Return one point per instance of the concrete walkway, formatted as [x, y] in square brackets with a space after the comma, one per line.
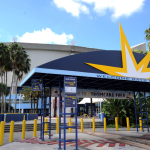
[85, 142]
[122, 131]
[140, 139]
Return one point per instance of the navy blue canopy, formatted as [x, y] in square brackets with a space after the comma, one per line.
[87, 76]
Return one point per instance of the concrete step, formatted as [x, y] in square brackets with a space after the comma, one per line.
[29, 127]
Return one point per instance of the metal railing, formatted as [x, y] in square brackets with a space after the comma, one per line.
[88, 117]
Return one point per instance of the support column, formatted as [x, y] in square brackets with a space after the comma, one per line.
[91, 107]
[43, 114]
[60, 111]
[49, 112]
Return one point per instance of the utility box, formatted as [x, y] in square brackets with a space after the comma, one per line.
[101, 116]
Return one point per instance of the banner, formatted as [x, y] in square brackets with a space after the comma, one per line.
[91, 93]
[37, 85]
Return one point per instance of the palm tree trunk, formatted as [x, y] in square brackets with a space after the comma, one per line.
[6, 77]
[1, 81]
[2, 104]
[5, 95]
[16, 96]
[55, 106]
[1, 101]
[61, 106]
[10, 91]
[2, 108]
[37, 105]
[45, 106]
[1, 77]
[118, 119]
[31, 104]
[34, 105]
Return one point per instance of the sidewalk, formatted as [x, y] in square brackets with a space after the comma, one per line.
[121, 131]
[133, 138]
[85, 142]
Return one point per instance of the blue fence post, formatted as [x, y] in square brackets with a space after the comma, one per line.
[135, 111]
[4, 117]
[60, 112]
[27, 116]
[64, 117]
[50, 113]
[43, 114]
[76, 119]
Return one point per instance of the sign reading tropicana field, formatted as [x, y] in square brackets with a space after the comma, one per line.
[70, 91]
[37, 85]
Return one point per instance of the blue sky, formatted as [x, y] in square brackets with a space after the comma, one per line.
[90, 23]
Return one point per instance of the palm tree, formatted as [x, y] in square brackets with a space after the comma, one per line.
[147, 32]
[6, 67]
[23, 67]
[120, 108]
[17, 59]
[3, 49]
[27, 94]
[3, 90]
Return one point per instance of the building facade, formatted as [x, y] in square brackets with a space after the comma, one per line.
[43, 53]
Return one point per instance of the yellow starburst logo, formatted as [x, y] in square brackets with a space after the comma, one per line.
[130, 67]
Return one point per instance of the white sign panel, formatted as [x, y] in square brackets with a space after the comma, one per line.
[70, 89]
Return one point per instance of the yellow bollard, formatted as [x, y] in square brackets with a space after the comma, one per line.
[116, 123]
[105, 125]
[11, 131]
[69, 125]
[35, 128]
[140, 122]
[23, 129]
[93, 124]
[81, 124]
[24, 117]
[1, 133]
[57, 125]
[46, 126]
[128, 124]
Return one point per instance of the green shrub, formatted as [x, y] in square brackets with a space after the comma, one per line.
[134, 125]
[113, 126]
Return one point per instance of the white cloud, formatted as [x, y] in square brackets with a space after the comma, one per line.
[72, 6]
[45, 36]
[0, 35]
[117, 7]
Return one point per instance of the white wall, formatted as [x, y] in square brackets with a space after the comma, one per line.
[39, 57]
[43, 53]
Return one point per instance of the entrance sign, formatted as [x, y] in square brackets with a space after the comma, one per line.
[70, 91]
[105, 94]
[92, 93]
[70, 99]
[37, 85]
